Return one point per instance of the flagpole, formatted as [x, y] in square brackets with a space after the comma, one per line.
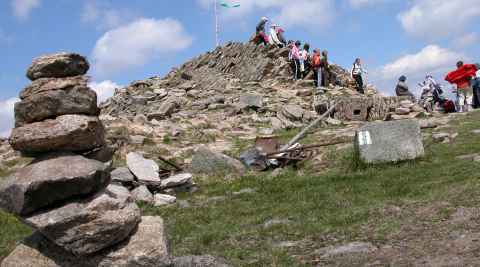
[216, 25]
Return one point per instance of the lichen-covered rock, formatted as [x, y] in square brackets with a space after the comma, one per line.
[89, 225]
[51, 180]
[76, 98]
[65, 133]
[57, 66]
[199, 261]
[208, 162]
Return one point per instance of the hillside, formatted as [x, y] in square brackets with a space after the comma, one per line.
[327, 210]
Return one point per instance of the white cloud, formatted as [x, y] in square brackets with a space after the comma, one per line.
[432, 59]
[303, 13]
[22, 8]
[467, 40]
[104, 17]
[433, 19]
[137, 43]
[7, 116]
[104, 89]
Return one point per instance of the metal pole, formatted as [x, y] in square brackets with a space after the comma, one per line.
[306, 129]
[216, 25]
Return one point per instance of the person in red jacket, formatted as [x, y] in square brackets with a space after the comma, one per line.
[462, 77]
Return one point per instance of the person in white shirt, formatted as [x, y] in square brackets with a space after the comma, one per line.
[356, 74]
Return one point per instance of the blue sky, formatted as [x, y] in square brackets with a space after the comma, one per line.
[130, 40]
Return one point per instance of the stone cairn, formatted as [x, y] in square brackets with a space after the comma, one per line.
[79, 218]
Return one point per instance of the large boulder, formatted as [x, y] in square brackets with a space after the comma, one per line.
[391, 141]
[48, 84]
[250, 101]
[89, 225]
[51, 180]
[146, 170]
[57, 66]
[73, 99]
[65, 133]
[145, 248]
[207, 162]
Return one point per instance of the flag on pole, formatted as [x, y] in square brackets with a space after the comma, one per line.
[227, 5]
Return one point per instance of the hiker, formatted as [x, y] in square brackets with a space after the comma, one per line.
[260, 35]
[316, 63]
[276, 36]
[476, 87]
[431, 93]
[294, 57]
[356, 74]
[462, 77]
[325, 69]
[305, 60]
[402, 87]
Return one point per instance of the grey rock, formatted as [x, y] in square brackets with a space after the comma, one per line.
[43, 85]
[145, 248]
[199, 261]
[137, 139]
[165, 110]
[207, 162]
[389, 141]
[351, 248]
[274, 222]
[441, 137]
[50, 104]
[244, 191]
[90, 225]
[402, 111]
[250, 101]
[65, 133]
[103, 153]
[142, 194]
[144, 169]
[161, 93]
[51, 180]
[122, 174]
[57, 66]
[162, 200]
[293, 112]
[176, 180]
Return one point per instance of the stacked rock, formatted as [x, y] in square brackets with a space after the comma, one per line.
[80, 220]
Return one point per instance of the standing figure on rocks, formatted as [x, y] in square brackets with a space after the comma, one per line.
[325, 69]
[261, 36]
[462, 77]
[276, 36]
[356, 73]
[295, 59]
[305, 60]
[402, 87]
[316, 63]
[476, 87]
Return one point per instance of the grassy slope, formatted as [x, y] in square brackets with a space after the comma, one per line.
[321, 210]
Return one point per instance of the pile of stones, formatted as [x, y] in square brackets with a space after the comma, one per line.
[142, 177]
[80, 218]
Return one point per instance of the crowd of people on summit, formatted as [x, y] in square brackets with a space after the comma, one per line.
[465, 79]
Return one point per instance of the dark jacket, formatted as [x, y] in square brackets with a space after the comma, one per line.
[281, 38]
[261, 26]
[402, 90]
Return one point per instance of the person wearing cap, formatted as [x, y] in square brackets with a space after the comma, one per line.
[295, 60]
[260, 31]
[402, 87]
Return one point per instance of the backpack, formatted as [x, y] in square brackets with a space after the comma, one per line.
[316, 61]
[449, 106]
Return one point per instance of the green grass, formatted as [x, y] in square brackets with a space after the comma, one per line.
[339, 203]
